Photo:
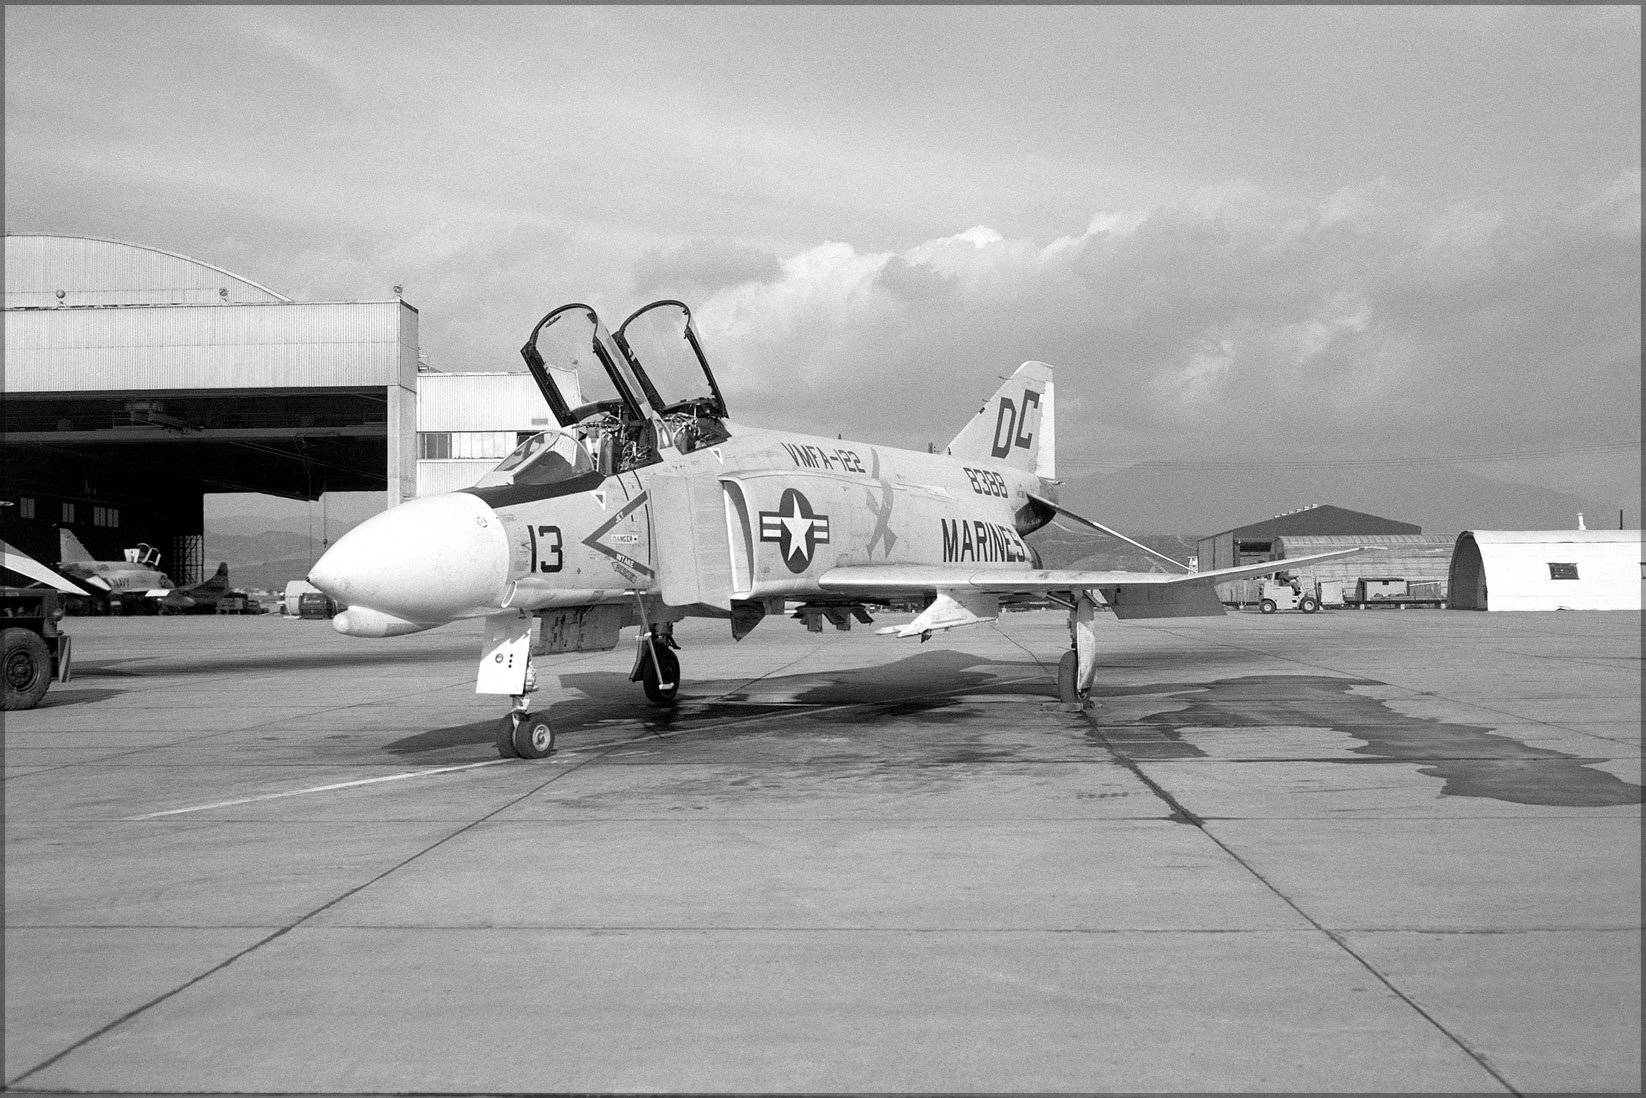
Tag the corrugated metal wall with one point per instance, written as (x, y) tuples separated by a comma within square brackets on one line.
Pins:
[(328, 344), (481, 402), (434, 477), (1408, 556)]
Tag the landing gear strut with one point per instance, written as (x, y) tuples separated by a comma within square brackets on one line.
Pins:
[(1077, 670)]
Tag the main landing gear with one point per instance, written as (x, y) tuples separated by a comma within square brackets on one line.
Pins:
[(1067, 669), (1077, 670), (656, 667)]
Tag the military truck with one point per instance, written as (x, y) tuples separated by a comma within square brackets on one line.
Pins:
[(36, 651)]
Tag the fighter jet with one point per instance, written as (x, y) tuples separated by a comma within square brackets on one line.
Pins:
[(648, 504), (138, 574), (200, 598)]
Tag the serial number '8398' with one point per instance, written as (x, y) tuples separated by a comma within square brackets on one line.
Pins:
[(986, 482), (545, 548)]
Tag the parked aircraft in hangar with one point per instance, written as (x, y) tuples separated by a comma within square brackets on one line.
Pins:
[(648, 504), (199, 598), (137, 575)]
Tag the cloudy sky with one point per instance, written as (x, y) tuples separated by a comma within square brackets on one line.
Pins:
[(1291, 237)]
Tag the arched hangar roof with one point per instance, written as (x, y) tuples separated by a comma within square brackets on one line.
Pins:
[(1546, 570), (93, 271)]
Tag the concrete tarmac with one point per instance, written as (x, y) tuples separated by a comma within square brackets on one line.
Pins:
[(1392, 851)]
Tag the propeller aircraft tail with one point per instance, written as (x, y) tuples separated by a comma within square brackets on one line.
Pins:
[(1015, 425)]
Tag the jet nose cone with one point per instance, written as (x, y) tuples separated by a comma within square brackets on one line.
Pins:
[(428, 560)]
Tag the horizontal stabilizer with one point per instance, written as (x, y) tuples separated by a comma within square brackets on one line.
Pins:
[(1100, 528)]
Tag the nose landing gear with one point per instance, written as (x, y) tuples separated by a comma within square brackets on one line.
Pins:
[(523, 734)]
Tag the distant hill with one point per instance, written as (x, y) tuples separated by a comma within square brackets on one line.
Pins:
[(1077, 547), (268, 558)]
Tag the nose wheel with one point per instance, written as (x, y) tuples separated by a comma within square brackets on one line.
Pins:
[(522, 735)]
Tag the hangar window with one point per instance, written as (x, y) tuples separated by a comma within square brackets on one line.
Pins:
[(434, 445), (68, 512), (1562, 571), (105, 516), (25, 507), (481, 445)]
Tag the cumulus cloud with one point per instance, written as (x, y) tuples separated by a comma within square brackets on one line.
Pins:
[(701, 268), (1368, 321)]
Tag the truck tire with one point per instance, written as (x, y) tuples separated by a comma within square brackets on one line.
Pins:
[(1267, 606), (27, 668), (1308, 605)]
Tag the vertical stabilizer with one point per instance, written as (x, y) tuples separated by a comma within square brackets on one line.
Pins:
[(1016, 425), (69, 547)]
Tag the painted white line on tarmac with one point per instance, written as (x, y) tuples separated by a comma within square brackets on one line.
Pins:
[(317, 789), (633, 740)]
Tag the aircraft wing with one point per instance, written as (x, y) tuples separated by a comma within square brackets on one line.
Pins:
[(25, 565), (1128, 594)]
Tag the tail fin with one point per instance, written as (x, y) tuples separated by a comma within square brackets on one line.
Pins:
[(1016, 425), (69, 547)]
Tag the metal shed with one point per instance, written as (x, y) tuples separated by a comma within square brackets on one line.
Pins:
[(1546, 570)]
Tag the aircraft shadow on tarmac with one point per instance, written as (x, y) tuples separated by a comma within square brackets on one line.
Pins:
[(924, 687), (264, 662), (1472, 760)]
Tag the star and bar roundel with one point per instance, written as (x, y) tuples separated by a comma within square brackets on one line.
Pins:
[(797, 529)]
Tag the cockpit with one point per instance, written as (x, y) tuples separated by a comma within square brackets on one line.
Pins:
[(623, 400), (547, 457)]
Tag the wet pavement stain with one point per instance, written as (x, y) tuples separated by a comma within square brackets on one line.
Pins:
[(1472, 760), (593, 700)]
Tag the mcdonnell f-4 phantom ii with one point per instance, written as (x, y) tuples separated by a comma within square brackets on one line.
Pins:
[(648, 504), (139, 574)]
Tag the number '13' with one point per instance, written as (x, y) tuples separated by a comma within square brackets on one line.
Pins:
[(546, 555)]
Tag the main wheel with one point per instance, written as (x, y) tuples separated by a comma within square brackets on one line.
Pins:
[(1068, 669), (1308, 604), (661, 679), (534, 737), (28, 668), (505, 736), (1267, 606)]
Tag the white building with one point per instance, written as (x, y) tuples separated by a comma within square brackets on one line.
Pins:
[(1546, 570), (467, 423)]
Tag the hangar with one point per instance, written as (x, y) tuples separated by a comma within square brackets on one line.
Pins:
[(1256, 542), (1414, 563), (138, 380), (1547, 570)]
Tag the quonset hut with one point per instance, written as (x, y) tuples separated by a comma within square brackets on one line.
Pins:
[(1546, 570)]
